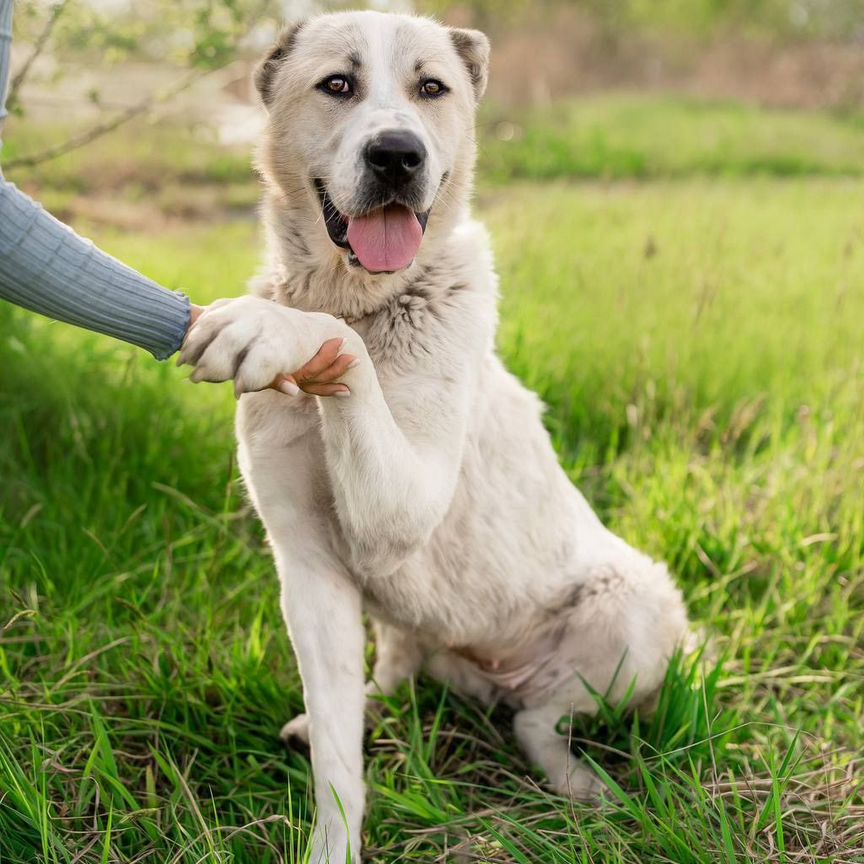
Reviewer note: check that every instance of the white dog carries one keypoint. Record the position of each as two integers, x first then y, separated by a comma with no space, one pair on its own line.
430,495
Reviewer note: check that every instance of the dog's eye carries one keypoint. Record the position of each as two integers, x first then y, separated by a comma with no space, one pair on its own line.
336,85
432,89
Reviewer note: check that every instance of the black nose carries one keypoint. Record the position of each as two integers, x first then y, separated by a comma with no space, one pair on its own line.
396,156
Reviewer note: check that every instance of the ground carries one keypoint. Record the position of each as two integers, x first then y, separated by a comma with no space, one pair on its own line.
696,331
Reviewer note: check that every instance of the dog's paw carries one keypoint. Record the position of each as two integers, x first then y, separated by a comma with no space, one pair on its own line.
331,847
252,341
248,339
580,783
296,731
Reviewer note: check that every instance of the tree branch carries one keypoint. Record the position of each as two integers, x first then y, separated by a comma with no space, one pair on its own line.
106,126
38,47
74,142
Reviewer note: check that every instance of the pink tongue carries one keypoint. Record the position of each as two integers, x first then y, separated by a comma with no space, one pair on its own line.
385,239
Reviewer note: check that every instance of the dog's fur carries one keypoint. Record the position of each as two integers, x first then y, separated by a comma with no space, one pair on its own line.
431,497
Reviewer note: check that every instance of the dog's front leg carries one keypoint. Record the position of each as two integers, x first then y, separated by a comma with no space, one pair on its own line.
394,464
322,610
399,656
281,457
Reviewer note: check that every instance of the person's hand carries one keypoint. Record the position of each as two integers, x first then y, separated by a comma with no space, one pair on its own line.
318,377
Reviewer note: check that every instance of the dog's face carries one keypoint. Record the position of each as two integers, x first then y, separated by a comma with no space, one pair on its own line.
371,117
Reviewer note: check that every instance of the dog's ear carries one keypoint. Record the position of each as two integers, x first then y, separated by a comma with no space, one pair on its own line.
266,70
473,47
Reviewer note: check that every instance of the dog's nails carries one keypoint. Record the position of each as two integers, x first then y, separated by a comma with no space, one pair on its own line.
289,388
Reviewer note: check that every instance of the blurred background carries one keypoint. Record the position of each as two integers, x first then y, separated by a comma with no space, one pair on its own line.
674,192
581,89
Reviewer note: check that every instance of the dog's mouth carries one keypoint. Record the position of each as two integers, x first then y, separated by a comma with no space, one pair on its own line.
382,240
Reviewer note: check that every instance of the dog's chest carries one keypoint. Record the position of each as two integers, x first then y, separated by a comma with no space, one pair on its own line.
407,331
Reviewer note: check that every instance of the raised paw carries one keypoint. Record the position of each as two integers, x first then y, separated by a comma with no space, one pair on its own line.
261,344
296,731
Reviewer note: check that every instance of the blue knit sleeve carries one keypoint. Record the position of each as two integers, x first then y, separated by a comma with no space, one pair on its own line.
46,267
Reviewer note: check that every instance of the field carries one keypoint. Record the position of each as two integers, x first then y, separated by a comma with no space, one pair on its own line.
692,315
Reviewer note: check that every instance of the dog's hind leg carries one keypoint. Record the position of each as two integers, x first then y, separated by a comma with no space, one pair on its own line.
625,622
536,730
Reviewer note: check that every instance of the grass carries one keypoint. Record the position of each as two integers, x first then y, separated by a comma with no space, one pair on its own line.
643,137
698,342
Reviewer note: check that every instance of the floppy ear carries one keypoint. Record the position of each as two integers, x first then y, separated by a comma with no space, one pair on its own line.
473,47
266,70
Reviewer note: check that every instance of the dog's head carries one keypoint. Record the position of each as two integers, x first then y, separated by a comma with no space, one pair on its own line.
371,124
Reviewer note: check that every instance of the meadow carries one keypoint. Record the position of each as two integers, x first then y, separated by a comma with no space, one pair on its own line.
685,290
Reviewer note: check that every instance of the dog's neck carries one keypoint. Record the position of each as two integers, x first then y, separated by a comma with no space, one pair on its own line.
303,268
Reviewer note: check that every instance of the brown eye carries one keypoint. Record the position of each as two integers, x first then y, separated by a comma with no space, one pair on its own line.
336,85
432,89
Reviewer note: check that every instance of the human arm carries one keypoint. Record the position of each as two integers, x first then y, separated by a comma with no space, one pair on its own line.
47,268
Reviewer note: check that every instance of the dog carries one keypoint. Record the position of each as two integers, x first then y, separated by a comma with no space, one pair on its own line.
429,494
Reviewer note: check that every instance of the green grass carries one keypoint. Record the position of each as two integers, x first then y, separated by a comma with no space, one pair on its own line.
639,136
699,344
